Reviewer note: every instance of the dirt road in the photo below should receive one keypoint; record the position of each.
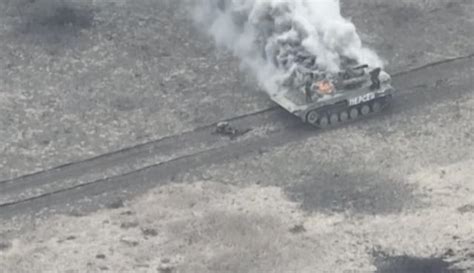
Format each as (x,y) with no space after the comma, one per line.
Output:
(393,193)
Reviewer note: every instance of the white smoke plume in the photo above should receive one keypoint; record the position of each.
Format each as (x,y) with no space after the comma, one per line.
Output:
(278,39)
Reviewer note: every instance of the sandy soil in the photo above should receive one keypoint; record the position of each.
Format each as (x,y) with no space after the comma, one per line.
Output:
(214,227)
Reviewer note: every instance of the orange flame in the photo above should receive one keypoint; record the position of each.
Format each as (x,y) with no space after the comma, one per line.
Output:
(325,87)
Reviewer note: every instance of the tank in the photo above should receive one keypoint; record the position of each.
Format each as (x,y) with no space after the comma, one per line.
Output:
(356,92)
(323,85)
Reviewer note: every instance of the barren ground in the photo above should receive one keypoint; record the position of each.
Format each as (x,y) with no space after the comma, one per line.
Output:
(390,194)
(118,74)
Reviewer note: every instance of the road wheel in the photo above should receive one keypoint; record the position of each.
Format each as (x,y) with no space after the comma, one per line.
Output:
(376,106)
(365,109)
(343,116)
(334,118)
(323,121)
(354,113)
(312,117)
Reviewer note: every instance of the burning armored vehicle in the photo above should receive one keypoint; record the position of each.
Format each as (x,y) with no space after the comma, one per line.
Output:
(322,102)
(309,58)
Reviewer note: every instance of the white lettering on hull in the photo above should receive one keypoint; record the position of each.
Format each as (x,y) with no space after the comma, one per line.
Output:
(361,99)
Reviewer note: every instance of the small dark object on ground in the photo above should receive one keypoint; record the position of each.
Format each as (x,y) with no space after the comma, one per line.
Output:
(297,229)
(466,208)
(128,212)
(128,225)
(224,128)
(129,242)
(5,245)
(409,264)
(449,252)
(150,232)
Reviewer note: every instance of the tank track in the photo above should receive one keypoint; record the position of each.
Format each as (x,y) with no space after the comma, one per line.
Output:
(339,113)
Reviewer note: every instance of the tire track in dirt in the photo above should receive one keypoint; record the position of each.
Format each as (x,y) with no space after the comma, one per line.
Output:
(141,166)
